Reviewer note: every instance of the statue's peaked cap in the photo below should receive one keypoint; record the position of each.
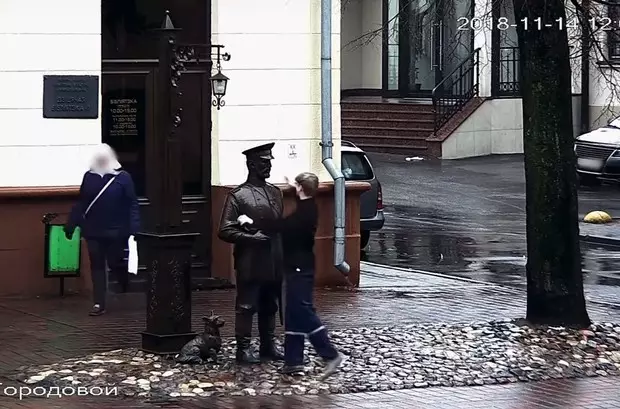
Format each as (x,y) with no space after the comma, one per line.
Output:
(261,151)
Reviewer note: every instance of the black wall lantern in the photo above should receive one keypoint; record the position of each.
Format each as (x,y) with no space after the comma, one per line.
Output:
(186,53)
(219,81)
(218,84)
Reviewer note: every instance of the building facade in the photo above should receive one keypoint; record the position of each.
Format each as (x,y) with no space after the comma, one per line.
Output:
(273,95)
(454,65)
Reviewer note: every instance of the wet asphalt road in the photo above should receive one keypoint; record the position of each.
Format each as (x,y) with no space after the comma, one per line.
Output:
(467,218)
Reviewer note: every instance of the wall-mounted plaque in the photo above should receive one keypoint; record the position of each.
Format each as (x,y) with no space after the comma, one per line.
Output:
(71,96)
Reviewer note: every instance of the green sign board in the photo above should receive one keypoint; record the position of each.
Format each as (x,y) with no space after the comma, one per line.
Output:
(62,258)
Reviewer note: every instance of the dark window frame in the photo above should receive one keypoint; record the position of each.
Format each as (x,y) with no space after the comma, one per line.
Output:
(613,35)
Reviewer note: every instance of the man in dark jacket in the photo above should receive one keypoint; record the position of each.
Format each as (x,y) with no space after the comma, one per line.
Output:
(258,257)
(298,230)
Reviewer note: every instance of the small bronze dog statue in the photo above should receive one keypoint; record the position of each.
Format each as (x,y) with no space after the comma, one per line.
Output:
(206,345)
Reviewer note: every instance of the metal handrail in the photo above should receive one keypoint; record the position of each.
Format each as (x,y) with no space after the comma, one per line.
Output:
(507,72)
(472,54)
(440,118)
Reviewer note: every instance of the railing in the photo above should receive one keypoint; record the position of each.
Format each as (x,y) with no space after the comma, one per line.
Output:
(456,89)
(508,72)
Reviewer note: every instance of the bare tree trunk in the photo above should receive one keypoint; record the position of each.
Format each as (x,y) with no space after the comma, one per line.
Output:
(554,278)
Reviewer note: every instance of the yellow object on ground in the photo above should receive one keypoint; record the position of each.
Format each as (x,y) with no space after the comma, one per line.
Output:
(597,217)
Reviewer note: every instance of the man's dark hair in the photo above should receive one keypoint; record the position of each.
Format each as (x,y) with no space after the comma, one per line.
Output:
(309,183)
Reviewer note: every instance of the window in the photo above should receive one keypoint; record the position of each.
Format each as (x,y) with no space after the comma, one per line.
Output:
(613,36)
(355,166)
(392,23)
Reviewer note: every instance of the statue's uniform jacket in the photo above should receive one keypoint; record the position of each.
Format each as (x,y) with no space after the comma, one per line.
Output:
(255,262)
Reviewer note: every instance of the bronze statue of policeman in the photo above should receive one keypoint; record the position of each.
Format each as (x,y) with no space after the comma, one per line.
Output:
(257,255)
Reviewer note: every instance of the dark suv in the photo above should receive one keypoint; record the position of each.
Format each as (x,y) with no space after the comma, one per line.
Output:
(357,167)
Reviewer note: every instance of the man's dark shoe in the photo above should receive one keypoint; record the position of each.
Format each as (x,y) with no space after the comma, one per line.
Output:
(96,310)
(294,370)
(244,354)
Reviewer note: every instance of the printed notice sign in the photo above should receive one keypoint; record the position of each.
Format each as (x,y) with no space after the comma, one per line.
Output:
(123,113)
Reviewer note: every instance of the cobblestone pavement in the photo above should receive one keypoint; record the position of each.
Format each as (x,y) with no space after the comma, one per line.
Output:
(595,393)
(47,330)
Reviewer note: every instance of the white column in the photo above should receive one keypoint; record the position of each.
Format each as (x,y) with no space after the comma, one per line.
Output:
(274,90)
(372,53)
(37,38)
(482,40)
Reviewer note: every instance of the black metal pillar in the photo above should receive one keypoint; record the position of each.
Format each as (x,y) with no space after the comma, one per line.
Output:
(169,306)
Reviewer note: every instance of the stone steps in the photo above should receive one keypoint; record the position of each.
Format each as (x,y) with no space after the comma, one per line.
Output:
(421,124)
(388,126)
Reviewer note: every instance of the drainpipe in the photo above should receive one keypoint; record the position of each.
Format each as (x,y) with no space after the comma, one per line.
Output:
(326,138)
(585,72)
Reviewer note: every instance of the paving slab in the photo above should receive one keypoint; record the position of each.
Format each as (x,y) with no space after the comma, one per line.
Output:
(608,233)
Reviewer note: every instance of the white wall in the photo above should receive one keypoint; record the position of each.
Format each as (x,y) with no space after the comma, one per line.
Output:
(496,127)
(604,94)
(39,37)
(361,44)
(604,80)
(274,88)
(351,52)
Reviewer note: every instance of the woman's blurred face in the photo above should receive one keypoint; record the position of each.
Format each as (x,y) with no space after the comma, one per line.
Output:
(102,162)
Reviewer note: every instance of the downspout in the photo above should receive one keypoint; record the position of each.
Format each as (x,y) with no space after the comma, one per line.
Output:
(585,72)
(326,138)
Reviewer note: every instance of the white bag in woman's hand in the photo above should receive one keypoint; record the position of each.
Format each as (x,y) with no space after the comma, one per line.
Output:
(132,260)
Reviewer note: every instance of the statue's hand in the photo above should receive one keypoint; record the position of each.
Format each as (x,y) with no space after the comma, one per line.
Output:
(243,219)
(260,236)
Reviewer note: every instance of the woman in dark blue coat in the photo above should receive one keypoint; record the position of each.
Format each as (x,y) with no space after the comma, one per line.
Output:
(107,213)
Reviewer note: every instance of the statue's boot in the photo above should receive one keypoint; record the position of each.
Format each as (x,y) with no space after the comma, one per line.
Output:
(268,348)
(243,335)
(245,355)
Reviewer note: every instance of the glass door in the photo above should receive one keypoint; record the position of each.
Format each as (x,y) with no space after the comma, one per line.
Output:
(420,47)
(423,44)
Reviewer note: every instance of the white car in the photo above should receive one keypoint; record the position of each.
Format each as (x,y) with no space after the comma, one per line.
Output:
(598,154)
